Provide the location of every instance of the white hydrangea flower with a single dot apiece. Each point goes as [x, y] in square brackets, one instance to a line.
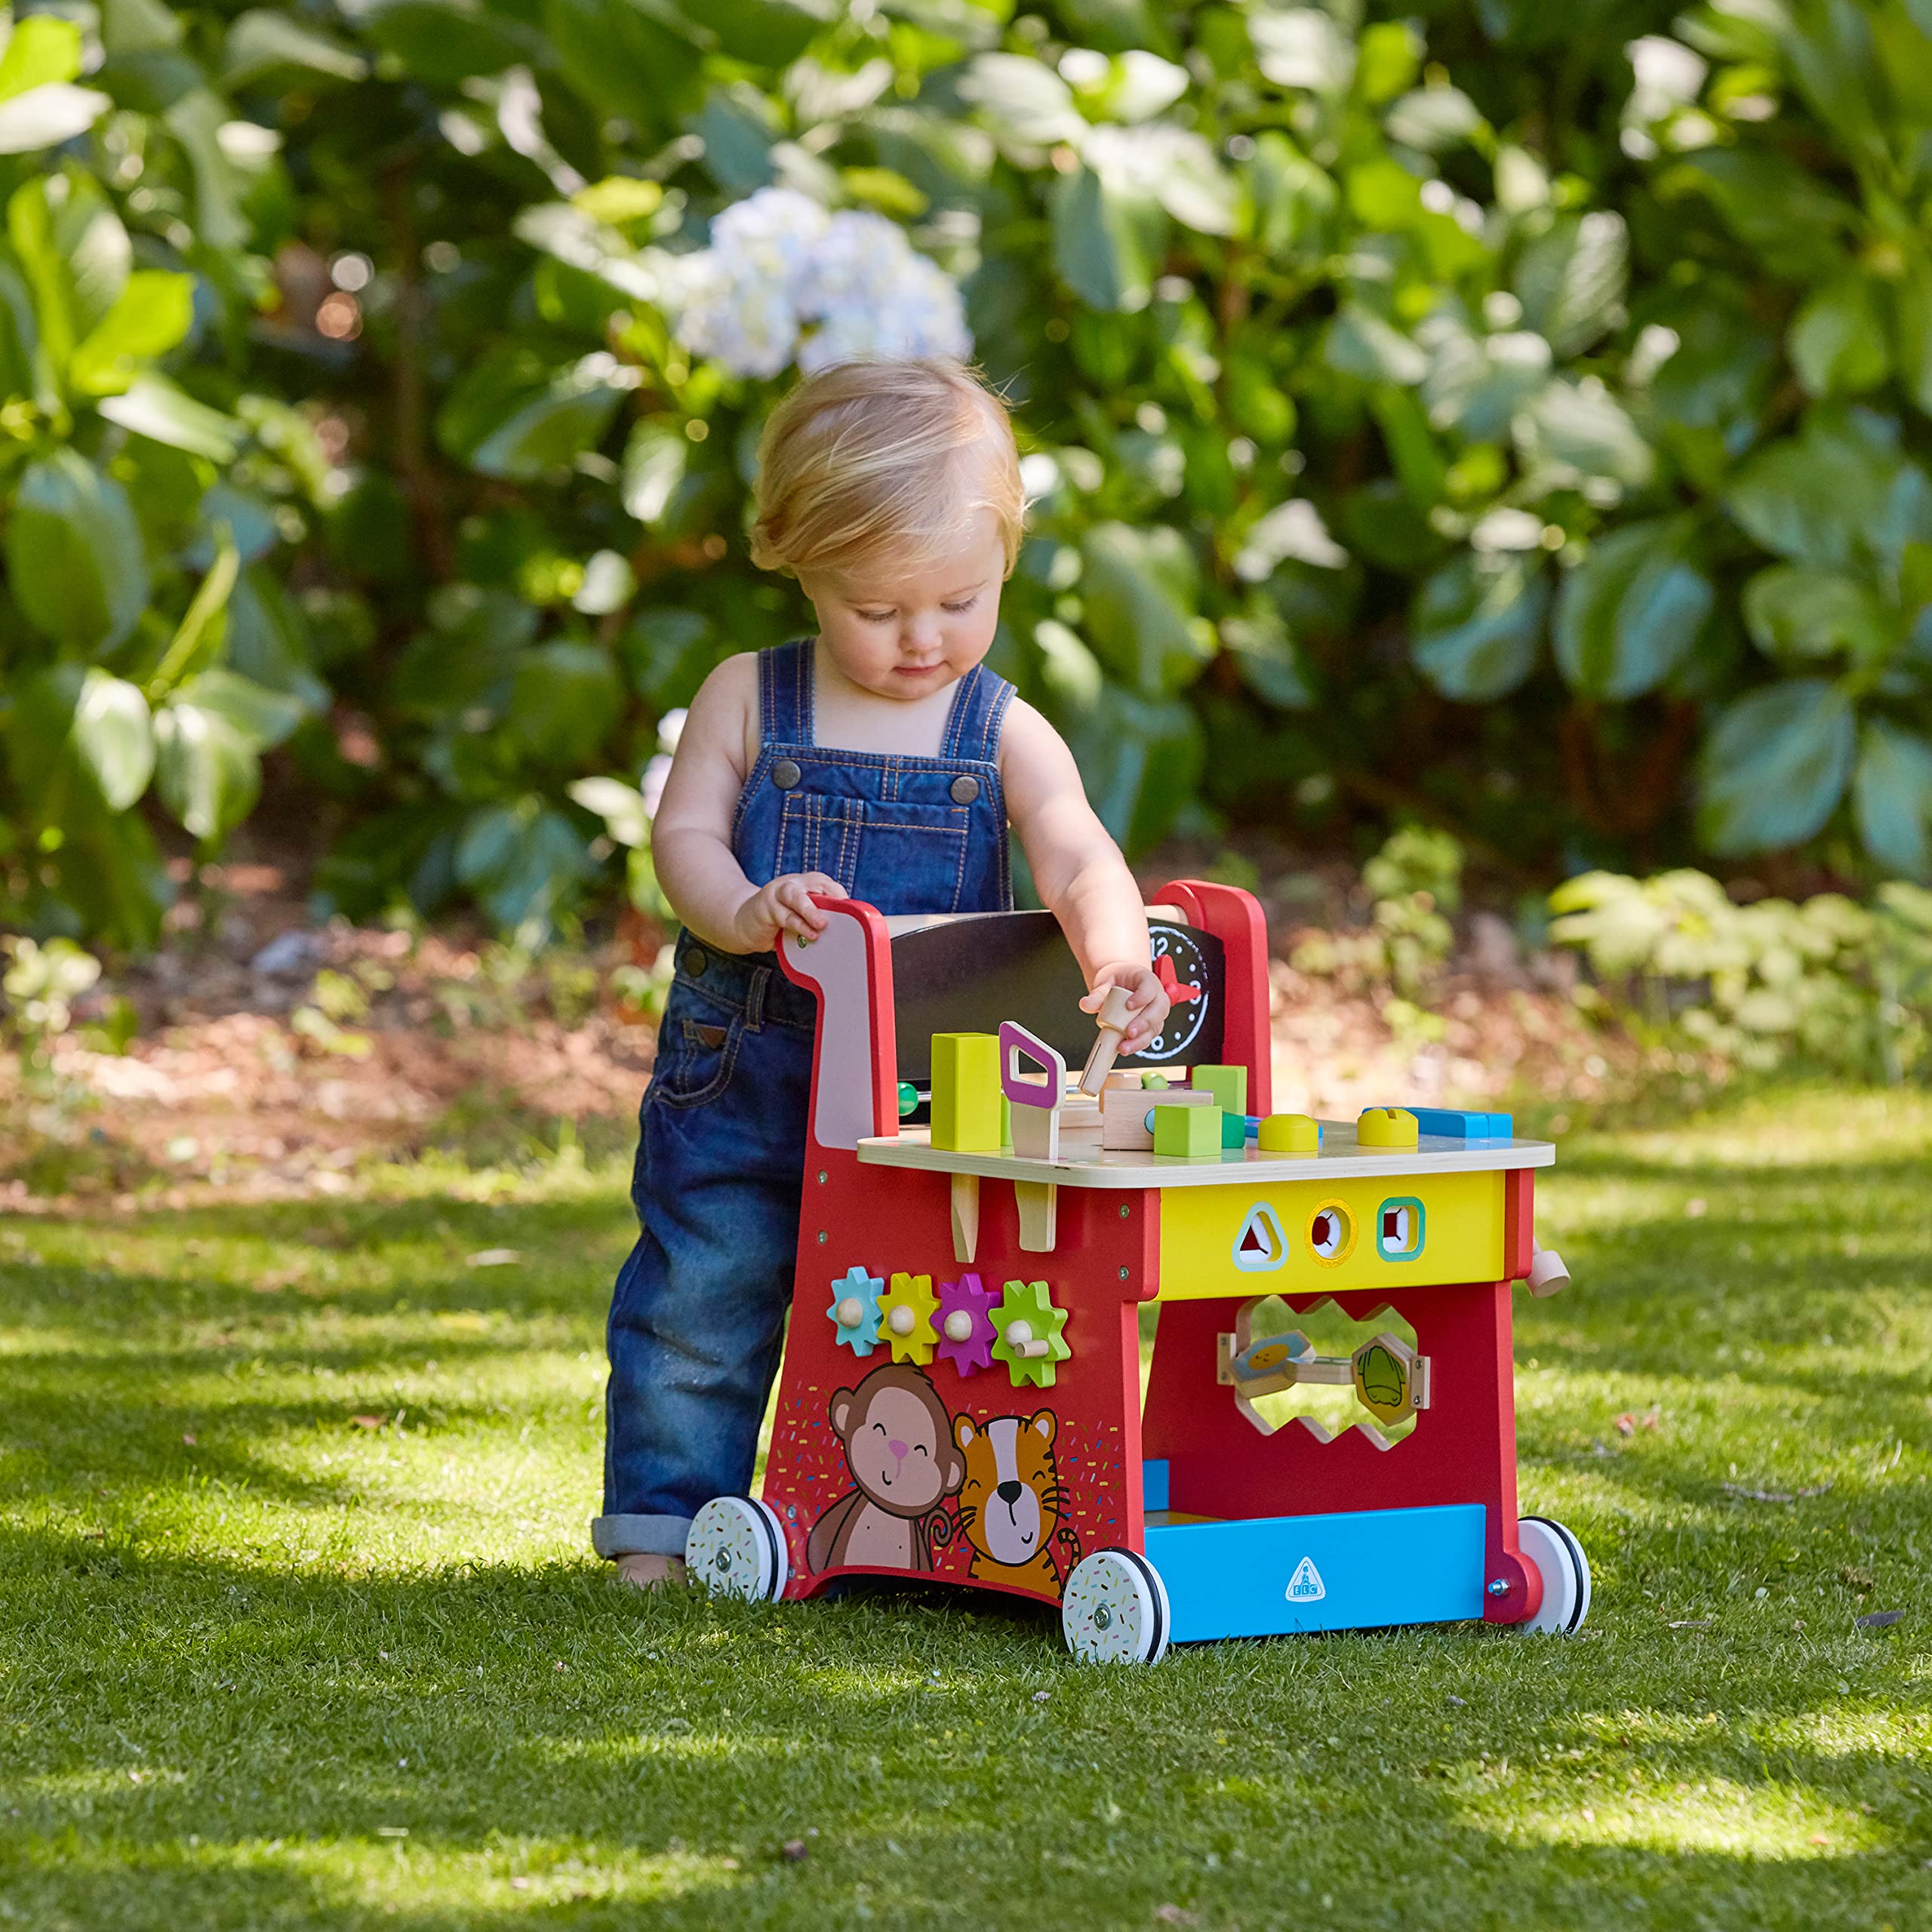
[778, 262]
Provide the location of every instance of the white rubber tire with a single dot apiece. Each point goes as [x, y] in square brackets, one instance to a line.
[1115, 1609]
[1565, 1570]
[736, 1549]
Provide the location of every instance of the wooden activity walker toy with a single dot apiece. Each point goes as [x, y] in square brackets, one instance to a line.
[961, 1396]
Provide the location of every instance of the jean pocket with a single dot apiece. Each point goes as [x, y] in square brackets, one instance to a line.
[698, 1067]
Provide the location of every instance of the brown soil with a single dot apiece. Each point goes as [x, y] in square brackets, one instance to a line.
[272, 1057]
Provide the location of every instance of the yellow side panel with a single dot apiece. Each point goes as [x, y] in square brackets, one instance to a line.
[1279, 1231]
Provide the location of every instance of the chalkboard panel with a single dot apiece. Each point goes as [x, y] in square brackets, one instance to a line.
[966, 975]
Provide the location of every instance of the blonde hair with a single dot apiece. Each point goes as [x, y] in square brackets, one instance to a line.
[873, 460]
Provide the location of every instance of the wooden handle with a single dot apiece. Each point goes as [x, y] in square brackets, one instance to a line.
[1112, 1020]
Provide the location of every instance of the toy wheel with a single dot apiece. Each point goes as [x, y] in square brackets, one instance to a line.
[736, 1548]
[1566, 1575]
[1115, 1609]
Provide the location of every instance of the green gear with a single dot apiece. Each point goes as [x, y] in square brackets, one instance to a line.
[1027, 1302]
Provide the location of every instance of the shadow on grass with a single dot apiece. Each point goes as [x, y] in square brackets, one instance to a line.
[542, 1724]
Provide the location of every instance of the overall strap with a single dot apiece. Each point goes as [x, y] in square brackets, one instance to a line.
[785, 693]
[979, 707]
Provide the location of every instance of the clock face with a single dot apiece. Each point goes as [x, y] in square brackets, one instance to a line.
[1187, 1015]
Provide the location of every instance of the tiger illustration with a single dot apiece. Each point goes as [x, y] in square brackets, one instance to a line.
[1011, 1501]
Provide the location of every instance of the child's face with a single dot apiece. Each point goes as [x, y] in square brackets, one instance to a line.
[904, 634]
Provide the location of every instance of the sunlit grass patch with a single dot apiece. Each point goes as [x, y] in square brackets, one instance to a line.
[343, 1657]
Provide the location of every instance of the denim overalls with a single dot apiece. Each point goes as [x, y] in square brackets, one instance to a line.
[698, 1309]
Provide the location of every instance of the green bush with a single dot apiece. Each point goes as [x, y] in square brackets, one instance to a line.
[1522, 430]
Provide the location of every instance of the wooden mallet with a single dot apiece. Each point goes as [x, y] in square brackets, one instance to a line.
[1112, 1020]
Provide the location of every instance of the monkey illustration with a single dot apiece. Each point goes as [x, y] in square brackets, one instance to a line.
[1013, 1502]
[899, 1447]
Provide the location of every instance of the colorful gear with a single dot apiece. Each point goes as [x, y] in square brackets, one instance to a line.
[855, 1284]
[1027, 1302]
[914, 1294]
[967, 1297]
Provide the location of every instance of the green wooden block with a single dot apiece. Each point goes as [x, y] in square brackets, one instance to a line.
[1189, 1133]
[1228, 1085]
[966, 1096]
[1234, 1129]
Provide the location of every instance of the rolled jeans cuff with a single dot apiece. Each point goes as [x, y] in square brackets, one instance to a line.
[634, 1535]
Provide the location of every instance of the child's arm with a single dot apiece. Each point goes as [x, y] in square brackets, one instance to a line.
[1078, 870]
[690, 837]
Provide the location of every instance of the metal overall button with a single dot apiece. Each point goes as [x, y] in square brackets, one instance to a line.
[784, 773]
[965, 790]
[695, 962]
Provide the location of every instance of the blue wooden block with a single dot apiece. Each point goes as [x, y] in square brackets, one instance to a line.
[1453, 1124]
[1352, 1570]
[1153, 1482]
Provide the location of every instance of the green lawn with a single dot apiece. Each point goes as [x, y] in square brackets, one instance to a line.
[263, 1664]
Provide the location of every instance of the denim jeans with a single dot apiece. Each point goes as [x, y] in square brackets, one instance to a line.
[698, 1315]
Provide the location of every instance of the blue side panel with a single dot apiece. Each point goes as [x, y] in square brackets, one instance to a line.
[1453, 1124]
[1154, 1484]
[1349, 1571]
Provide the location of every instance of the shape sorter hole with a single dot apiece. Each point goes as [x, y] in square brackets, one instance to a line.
[1328, 1408]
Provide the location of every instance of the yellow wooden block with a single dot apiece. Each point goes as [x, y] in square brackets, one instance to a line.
[1289, 1134]
[1386, 1126]
[966, 1095]
[1334, 1236]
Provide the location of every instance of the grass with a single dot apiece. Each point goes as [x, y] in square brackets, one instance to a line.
[297, 1627]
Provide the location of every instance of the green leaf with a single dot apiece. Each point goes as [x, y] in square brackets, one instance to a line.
[1302, 47]
[42, 48]
[768, 33]
[1476, 623]
[261, 43]
[1814, 498]
[1270, 665]
[1106, 240]
[1139, 588]
[74, 557]
[564, 701]
[1837, 340]
[1570, 281]
[196, 121]
[631, 57]
[75, 254]
[446, 42]
[1575, 432]
[1359, 342]
[114, 737]
[45, 116]
[1630, 614]
[1782, 211]
[153, 313]
[154, 407]
[518, 859]
[1791, 611]
[657, 461]
[1775, 767]
[262, 719]
[1892, 796]
[209, 776]
[620, 806]
[514, 416]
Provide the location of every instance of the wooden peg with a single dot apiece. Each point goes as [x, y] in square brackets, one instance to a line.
[1112, 1020]
[965, 1218]
[1038, 1203]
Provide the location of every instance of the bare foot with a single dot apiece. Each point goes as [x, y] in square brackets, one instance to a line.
[643, 1571]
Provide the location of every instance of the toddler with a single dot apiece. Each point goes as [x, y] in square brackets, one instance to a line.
[880, 761]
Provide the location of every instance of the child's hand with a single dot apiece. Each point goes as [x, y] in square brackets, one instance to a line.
[785, 906]
[1146, 998]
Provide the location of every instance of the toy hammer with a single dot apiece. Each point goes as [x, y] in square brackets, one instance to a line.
[1112, 1020]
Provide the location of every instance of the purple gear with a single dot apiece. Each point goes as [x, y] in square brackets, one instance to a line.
[966, 1296]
